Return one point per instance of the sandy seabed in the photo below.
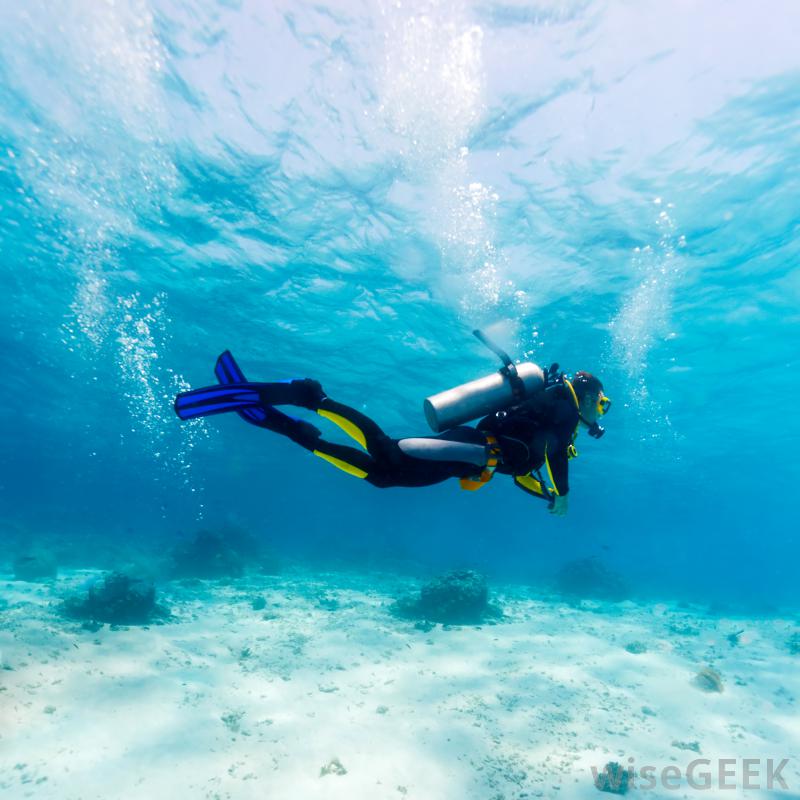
(323, 693)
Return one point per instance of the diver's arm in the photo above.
(557, 463)
(564, 423)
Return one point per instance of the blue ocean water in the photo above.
(344, 191)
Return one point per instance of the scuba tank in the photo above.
(510, 385)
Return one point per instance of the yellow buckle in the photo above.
(572, 451)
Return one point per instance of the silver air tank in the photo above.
(483, 396)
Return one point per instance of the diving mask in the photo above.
(603, 404)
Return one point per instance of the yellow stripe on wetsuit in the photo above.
(550, 473)
(350, 428)
(354, 432)
(342, 465)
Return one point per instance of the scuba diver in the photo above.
(530, 421)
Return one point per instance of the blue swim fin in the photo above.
(228, 372)
(248, 400)
(217, 400)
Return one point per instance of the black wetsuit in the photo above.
(526, 437)
(531, 435)
(384, 464)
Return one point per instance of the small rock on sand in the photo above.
(333, 767)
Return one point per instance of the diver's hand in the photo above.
(560, 505)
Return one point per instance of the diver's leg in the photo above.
(308, 393)
(375, 465)
(349, 459)
(429, 448)
(255, 401)
(356, 425)
(302, 392)
(393, 462)
(383, 463)
(269, 418)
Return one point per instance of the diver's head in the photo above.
(592, 403)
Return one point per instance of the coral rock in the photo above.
(613, 779)
(333, 767)
(637, 648)
(460, 597)
(119, 600)
(709, 680)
